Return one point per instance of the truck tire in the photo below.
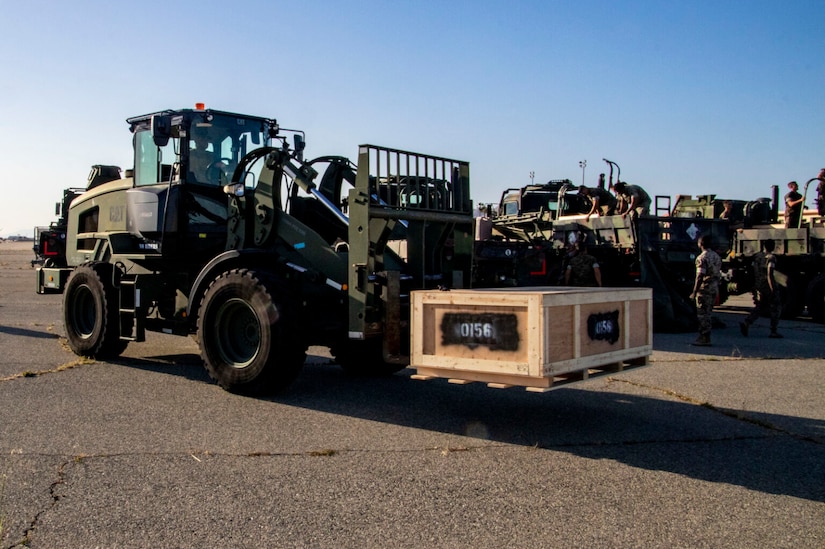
(792, 297)
(90, 313)
(246, 336)
(364, 358)
(815, 299)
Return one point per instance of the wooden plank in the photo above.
(460, 381)
(522, 381)
(577, 334)
(639, 329)
(559, 320)
(624, 355)
(422, 377)
(499, 385)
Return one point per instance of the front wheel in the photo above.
(816, 298)
(90, 313)
(246, 336)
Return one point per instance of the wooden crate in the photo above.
(532, 337)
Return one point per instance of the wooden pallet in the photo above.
(531, 384)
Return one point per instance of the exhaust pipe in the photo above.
(774, 203)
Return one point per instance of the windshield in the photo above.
(203, 148)
(216, 144)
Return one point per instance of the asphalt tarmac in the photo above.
(707, 447)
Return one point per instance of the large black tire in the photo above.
(792, 297)
(247, 334)
(364, 358)
(816, 299)
(673, 310)
(90, 313)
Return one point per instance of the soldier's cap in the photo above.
(583, 189)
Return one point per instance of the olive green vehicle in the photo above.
(223, 231)
(799, 251)
(535, 227)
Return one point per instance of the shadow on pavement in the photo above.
(25, 332)
(801, 339)
(186, 365)
(730, 446)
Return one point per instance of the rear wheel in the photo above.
(244, 334)
(816, 298)
(90, 313)
(792, 297)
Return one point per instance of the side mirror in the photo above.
(300, 145)
(161, 129)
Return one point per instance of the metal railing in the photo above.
(407, 185)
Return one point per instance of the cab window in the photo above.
(155, 164)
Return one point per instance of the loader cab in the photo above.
(183, 159)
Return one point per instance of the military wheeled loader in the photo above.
(223, 231)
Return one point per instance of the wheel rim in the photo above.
(238, 334)
(84, 312)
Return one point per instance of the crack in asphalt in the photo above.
(55, 498)
(733, 414)
(79, 361)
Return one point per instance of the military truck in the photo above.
(50, 242)
(530, 239)
(800, 251)
(513, 246)
(223, 231)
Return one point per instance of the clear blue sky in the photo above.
(693, 97)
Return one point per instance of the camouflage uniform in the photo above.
(793, 213)
(582, 270)
(643, 201)
(606, 200)
(763, 296)
(708, 271)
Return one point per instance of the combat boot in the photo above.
(775, 335)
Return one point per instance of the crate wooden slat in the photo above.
(532, 337)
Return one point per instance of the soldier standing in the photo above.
(765, 294)
(793, 206)
(820, 193)
(706, 288)
(583, 269)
